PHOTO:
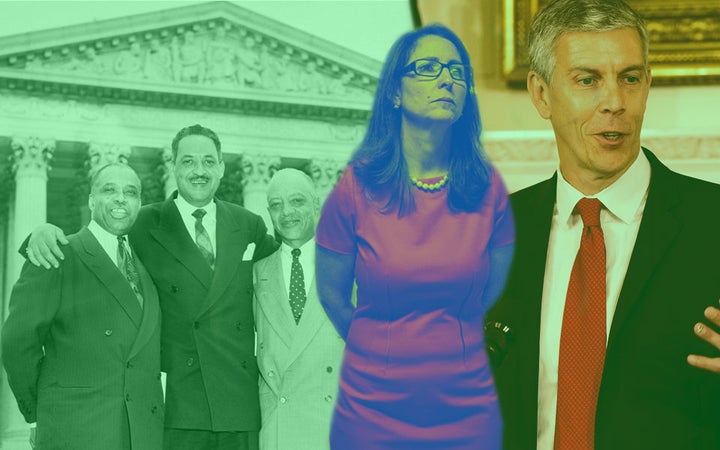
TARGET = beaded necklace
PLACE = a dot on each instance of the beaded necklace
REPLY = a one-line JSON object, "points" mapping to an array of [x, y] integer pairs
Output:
{"points": [[430, 187]]}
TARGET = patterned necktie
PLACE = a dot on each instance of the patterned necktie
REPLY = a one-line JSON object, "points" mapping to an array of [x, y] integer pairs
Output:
{"points": [[583, 337], [126, 264], [297, 286], [202, 238]]}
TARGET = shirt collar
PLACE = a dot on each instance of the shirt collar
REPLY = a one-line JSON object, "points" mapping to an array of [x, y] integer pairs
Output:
{"points": [[106, 239], [623, 198], [186, 209], [307, 249]]}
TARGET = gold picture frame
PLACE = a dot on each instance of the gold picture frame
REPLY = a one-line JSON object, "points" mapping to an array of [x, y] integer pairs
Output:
{"points": [[684, 39]]}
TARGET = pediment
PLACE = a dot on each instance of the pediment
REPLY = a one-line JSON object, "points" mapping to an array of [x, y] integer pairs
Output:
{"points": [[211, 55]]}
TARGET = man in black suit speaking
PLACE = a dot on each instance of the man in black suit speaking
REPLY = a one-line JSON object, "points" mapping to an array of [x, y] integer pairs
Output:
{"points": [[612, 265]]}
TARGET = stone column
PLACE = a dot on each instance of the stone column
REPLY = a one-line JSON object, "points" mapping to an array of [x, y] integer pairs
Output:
{"points": [[169, 183], [257, 171], [325, 173], [30, 163]]}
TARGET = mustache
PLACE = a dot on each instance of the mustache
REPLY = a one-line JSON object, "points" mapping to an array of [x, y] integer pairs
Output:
{"points": [[200, 178]]}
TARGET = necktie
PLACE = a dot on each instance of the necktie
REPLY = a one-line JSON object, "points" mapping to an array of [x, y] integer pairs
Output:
{"points": [[126, 264], [297, 286], [202, 238], [583, 337]]}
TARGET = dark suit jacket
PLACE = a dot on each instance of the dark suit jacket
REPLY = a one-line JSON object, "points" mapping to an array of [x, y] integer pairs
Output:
{"points": [[650, 398], [208, 331], [82, 356]]}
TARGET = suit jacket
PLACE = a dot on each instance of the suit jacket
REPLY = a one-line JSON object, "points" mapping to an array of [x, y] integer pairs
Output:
{"points": [[208, 331], [299, 364], [82, 356], [650, 397]]}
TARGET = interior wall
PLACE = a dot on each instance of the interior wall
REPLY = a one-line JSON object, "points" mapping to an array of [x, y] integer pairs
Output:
{"points": [[684, 109]]}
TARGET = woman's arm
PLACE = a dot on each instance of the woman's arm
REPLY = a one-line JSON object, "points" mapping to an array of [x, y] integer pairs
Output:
{"points": [[334, 275], [500, 260]]}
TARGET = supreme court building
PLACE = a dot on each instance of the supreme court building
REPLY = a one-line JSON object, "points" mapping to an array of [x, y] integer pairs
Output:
{"points": [[76, 98]]}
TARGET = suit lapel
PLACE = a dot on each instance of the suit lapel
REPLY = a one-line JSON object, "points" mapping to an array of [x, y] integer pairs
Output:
{"points": [[172, 234], [97, 260], [151, 310], [658, 229], [231, 245], [312, 319], [274, 301]]}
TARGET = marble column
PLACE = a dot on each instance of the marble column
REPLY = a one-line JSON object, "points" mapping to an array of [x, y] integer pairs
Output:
{"points": [[257, 171], [325, 173], [31, 158]]}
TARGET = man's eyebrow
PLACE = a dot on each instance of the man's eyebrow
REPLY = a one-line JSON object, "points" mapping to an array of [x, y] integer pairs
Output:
{"points": [[635, 68], [584, 69]]}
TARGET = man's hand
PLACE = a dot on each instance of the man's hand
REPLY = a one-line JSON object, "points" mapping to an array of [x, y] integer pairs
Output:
{"points": [[711, 336], [43, 249]]}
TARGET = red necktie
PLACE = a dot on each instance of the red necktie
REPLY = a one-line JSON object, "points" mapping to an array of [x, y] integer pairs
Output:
{"points": [[583, 337]]}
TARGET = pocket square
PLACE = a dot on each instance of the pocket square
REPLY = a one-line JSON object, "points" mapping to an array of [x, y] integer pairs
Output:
{"points": [[249, 251]]}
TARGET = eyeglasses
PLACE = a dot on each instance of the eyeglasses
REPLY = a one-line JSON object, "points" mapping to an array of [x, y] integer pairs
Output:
{"points": [[430, 68]]}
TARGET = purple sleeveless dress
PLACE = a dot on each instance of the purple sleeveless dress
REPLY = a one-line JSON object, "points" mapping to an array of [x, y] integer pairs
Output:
{"points": [[415, 373]]}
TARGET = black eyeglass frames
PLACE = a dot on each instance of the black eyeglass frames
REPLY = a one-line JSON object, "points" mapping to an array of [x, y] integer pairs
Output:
{"points": [[430, 68]]}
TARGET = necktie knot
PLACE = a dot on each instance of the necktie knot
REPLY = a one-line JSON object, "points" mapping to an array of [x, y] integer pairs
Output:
{"points": [[199, 214], [295, 253], [589, 210]]}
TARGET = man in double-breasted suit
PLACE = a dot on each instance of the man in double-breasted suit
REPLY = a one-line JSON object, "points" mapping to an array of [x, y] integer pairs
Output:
{"points": [[199, 251], [299, 352], [613, 264], [81, 344]]}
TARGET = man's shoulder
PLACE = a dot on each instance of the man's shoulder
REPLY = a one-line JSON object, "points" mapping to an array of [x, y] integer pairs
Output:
{"points": [[263, 264], [237, 210], [531, 195]]}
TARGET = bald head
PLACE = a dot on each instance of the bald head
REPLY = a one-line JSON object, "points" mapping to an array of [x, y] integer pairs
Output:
{"points": [[293, 205]]}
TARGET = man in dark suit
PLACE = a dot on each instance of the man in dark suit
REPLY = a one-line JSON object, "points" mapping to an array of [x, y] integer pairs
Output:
{"points": [[199, 251], [612, 263], [81, 345]]}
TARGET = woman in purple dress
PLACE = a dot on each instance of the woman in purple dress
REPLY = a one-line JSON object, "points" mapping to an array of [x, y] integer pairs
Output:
{"points": [[420, 222]]}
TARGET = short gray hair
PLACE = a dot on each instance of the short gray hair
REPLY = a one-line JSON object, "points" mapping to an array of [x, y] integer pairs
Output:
{"points": [[566, 16]]}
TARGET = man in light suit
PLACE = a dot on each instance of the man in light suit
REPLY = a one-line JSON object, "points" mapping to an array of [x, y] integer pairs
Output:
{"points": [[299, 352], [199, 251], [612, 269], [81, 345]]}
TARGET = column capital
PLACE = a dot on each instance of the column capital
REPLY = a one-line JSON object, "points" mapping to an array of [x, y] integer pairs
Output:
{"points": [[101, 154], [325, 172], [31, 155], [258, 169]]}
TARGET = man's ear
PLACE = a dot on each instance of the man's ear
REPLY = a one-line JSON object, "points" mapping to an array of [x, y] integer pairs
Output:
{"points": [[539, 93]]}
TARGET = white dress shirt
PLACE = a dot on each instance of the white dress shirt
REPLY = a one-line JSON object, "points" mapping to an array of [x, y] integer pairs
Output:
{"points": [[107, 240], [624, 202], [209, 220], [307, 261]]}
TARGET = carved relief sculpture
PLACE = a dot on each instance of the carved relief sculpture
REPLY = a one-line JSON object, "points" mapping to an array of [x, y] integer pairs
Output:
{"points": [[248, 68], [220, 59], [130, 62], [189, 59], [158, 62]]}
